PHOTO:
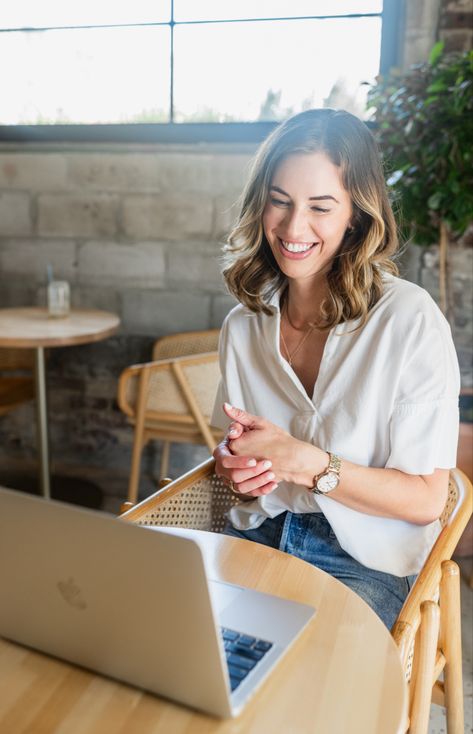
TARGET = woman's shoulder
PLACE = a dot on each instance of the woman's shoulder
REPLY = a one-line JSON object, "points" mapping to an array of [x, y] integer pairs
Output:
{"points": [[405, 300], [241, 318]]}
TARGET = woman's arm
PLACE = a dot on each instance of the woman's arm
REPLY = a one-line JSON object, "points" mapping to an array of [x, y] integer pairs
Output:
{"points": [[390, 493]]}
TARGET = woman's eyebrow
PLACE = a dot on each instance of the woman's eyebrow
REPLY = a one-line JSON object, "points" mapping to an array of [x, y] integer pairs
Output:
{"points": [[280, 191], [324, 197]]}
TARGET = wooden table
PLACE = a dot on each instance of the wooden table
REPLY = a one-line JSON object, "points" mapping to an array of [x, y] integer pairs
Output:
{"points": [[32, 327], [343, 675]]}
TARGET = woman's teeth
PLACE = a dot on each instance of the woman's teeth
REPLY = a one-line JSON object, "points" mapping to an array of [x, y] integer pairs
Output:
{"points": [[296, 246]]}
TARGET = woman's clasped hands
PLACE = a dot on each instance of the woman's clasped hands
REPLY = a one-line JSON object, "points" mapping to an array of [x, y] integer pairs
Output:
{"points": [[256, 454]]}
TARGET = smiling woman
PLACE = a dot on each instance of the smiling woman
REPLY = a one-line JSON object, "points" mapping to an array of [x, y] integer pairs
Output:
{"points": [[345, 377]]}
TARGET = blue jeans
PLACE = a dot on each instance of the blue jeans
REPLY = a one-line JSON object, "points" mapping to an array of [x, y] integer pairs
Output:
{"points": [[309, 536]]}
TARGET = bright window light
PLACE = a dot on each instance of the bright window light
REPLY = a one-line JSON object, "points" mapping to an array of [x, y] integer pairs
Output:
{"points": [[154, 61]]}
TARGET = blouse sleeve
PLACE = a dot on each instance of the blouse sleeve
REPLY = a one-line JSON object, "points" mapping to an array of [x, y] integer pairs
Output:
{"points": [[425, 417], [219, 419]]}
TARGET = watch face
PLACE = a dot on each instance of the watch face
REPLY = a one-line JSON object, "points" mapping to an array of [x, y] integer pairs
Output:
{"points": [[328, 482]]}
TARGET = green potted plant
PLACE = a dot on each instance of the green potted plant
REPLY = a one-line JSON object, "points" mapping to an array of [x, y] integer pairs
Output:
{"points": [[424, 125]]}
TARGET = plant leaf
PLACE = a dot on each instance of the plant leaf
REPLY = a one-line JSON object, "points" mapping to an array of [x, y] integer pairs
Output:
{"points": [[433, 201], [436, 52]]}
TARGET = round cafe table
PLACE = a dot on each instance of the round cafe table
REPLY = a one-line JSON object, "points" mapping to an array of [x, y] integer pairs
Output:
{"points": [[32, 327], [342, 676]]}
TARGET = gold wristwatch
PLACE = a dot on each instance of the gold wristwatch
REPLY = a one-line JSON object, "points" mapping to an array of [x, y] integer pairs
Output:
{"points": [[329, 479]]}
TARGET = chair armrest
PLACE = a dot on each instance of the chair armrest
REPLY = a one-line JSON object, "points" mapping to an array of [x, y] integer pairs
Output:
{"points": [[199, 500]]}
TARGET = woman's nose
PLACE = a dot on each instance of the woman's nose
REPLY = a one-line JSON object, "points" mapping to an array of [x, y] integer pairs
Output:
{"points": [[296, 224]]}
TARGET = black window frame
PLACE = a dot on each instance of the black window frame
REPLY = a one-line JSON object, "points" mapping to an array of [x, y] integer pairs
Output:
{"points": [[393, 20]]}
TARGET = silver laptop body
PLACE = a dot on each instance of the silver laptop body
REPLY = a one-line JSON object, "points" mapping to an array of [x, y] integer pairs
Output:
{"points": [[131, 602]]}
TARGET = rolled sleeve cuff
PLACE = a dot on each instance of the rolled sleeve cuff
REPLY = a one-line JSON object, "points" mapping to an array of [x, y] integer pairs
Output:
{"points": [[411, 424]]}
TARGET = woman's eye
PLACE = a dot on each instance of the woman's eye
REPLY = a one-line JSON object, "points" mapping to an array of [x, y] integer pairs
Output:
{"points": [[278, 202], [319, 209]]}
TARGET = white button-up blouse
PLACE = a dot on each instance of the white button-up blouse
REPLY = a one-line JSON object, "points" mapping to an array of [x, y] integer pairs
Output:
{"points": [[386, 396]]}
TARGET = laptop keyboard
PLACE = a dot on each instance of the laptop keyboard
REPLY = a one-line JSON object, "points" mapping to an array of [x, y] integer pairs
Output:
{"points": [[243, 653]]}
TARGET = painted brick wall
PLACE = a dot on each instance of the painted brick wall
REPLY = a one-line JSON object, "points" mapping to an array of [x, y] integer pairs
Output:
{"points": [[136, 230]]}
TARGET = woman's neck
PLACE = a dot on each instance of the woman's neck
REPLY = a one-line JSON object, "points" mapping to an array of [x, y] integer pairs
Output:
{"points": [[303, 302]]}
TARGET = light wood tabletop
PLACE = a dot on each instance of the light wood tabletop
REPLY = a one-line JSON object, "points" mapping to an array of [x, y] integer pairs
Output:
{"points": [[33, 327], [342, 676]]}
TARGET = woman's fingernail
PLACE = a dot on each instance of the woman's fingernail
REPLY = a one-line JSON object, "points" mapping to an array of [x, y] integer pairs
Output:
{"points": [[267, 464], [228, 406], [270, 475], [251, 462], [232, 431]]}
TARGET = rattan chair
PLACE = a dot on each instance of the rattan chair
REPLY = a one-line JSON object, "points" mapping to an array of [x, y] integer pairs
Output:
{"points": [[171, 398], [186, 343], [428, 628], [199, 500], [16, 378]]}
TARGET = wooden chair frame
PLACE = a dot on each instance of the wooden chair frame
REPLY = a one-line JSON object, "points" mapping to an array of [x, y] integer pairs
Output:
{"points": [[428, 627], [190, 424]]}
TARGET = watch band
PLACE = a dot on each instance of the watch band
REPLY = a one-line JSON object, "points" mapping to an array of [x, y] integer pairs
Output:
{"points": [[329, 479]]}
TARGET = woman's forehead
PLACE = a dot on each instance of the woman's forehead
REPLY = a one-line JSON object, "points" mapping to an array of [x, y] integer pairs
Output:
{"points": [[299, 170]]}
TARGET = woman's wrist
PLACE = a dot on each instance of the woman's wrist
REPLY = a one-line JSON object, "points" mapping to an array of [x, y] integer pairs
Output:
{"points": [[308, 461]]}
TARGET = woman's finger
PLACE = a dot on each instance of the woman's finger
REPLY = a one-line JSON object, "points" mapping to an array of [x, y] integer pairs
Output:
{"points": [[265, 489], [250, 484], [238, 476], [241, 416], [235, 430], [231, 462]]}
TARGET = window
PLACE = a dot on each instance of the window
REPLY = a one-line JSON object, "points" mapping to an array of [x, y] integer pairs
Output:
{"points": [[99, 65]]}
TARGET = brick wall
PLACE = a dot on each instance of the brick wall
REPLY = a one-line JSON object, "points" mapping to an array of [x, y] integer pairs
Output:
{"points": [[133, 231], [136, 230], [427, 21], [455, 25]]}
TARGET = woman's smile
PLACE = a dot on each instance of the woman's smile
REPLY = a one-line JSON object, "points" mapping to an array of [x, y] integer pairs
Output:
{"points": [[296, 250]]}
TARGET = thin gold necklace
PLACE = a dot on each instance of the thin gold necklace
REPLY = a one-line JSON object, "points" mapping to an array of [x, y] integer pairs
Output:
{"points": [[289, 319], [290, 356]]}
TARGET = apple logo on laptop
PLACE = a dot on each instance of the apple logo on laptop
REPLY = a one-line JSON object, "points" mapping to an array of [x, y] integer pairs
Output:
{"points": [[71, 593]]}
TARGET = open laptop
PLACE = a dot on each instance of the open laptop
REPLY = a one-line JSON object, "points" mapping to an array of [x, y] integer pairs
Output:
{"points": [[135, 603]]}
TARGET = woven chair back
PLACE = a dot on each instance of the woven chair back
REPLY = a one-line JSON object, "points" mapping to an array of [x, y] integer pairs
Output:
{"points": [[190, 342], [200, 504], [164, 394], [452, 501]]}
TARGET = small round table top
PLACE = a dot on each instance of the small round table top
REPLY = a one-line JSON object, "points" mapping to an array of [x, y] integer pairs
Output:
{"points": [[33, 327]]}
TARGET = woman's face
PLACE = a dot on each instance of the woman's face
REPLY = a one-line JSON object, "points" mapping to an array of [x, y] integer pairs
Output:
{"points": [[307, 214]]}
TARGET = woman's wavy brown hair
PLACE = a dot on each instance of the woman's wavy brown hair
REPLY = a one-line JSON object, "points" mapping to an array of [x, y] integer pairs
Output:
{"points": [[355, 278]]}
